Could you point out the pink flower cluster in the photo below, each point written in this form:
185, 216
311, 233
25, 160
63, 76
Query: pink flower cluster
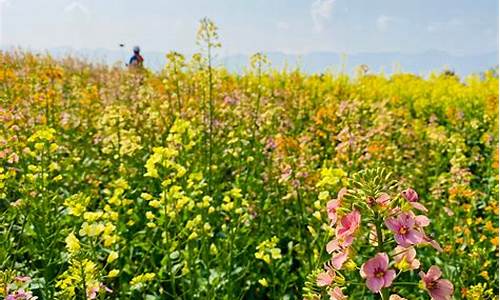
20, 293
345, 231
379, 272
93, 292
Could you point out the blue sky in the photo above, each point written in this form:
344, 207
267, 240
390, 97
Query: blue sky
246, 26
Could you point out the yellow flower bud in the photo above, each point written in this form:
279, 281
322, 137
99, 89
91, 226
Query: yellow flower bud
113, 273
113, 255
263, 282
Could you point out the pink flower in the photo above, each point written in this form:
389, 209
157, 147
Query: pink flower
332, 205
404, 258
412, 197
107, 289
438, 289
349, 224
422, 221
339, 243
383, 199
326, 278
336, 294
345, 230
404, 230
23, 279
339, 259
376, 272
92, 292
21, 295
331, 208
419, 206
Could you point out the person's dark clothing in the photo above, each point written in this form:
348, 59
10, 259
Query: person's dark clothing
136, 60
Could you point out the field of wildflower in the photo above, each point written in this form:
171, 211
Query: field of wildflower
197, 183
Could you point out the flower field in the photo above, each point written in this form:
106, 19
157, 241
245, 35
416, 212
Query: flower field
196, 183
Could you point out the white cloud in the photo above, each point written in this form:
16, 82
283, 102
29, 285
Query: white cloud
321, 12
384, 22
282, 25
76, 7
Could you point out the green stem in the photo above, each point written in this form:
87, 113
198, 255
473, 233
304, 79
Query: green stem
384, 294
380, 241
210, 118
406, 283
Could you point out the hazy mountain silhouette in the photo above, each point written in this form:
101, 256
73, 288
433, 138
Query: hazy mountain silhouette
387, 62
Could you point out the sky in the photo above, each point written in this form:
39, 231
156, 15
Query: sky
459, 27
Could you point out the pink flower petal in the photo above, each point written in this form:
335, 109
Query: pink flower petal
332, 245
419, 206
383, 199
375, 284
341, 194
400, 253
402, 240
324, 279
443, 290
410, 195
415, 264
411, 254
347, 241
422, 221
331, 208
433, 243
406, 220
362, 271
389, 277
337, 294
408, 254
383, 259
392, 224
414, 236
433, 274
368, 268
339, 259
349, 223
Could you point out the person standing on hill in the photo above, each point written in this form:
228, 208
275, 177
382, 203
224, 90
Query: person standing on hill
136, 60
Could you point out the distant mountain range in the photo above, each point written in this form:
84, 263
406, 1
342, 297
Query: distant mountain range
315, 62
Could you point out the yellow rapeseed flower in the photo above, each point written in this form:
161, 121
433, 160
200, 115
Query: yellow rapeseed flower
113, 255
72, 243
113, 273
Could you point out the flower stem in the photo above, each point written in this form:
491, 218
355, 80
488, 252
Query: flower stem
384, 294
378, 226
406, 283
